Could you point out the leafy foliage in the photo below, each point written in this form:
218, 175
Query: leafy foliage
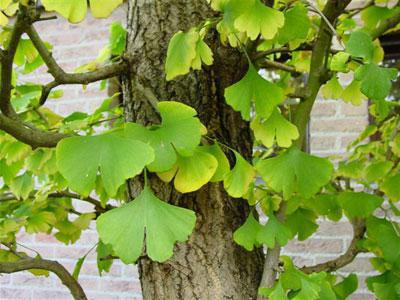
164, 224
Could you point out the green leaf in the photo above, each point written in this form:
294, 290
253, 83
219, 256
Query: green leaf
278, 293
181, 53
309, 291
346, 287
382, 233
194, 171
276, 128
303, 223
117, 40
391, 187
117, 158
203, 54
259, 18
40, 222
252, 87
246, 235
360, 45
375, 81
352, 93
22, 186
296, 26
238, 180
103, 251
359, 204
179, 132
125, 227
385, 286
376, 171
223, 163
75, 10
272, 232
103, 8
373, 16
78, 267
294, 171
325, 205
339, 62
332, 89
186, 50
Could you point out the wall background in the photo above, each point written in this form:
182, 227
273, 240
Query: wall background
334, 124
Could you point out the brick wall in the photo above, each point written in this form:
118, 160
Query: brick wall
333, 125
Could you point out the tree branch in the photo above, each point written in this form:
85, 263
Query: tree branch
34, 137
318, 68
65, 194
270, 64
385, 26
42, 264
61, 77
7, 66
271, 262
352, 251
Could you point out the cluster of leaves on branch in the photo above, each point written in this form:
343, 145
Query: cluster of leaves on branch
88, 157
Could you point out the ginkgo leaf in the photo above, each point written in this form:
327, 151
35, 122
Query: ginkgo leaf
276, 128
103, 8
246, 235
75, 10
22, 186
359, 205
181, 53
375, 80
277, 293
346, 287
179, 132
360, 45
238, 180
259, 18
377, 170
339, 62
352, 93
383, 233
332, 89
253, 87
296, 26
115, 157
231, 10
194, 171
223, 163
274, 232
303, 223
391, 187
124, 228
203, 54
309, 291
294, 171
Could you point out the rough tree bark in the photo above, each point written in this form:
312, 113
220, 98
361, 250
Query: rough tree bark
210, 265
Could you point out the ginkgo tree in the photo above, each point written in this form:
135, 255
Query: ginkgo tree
211, 134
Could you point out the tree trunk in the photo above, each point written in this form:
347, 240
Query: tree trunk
210, 265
